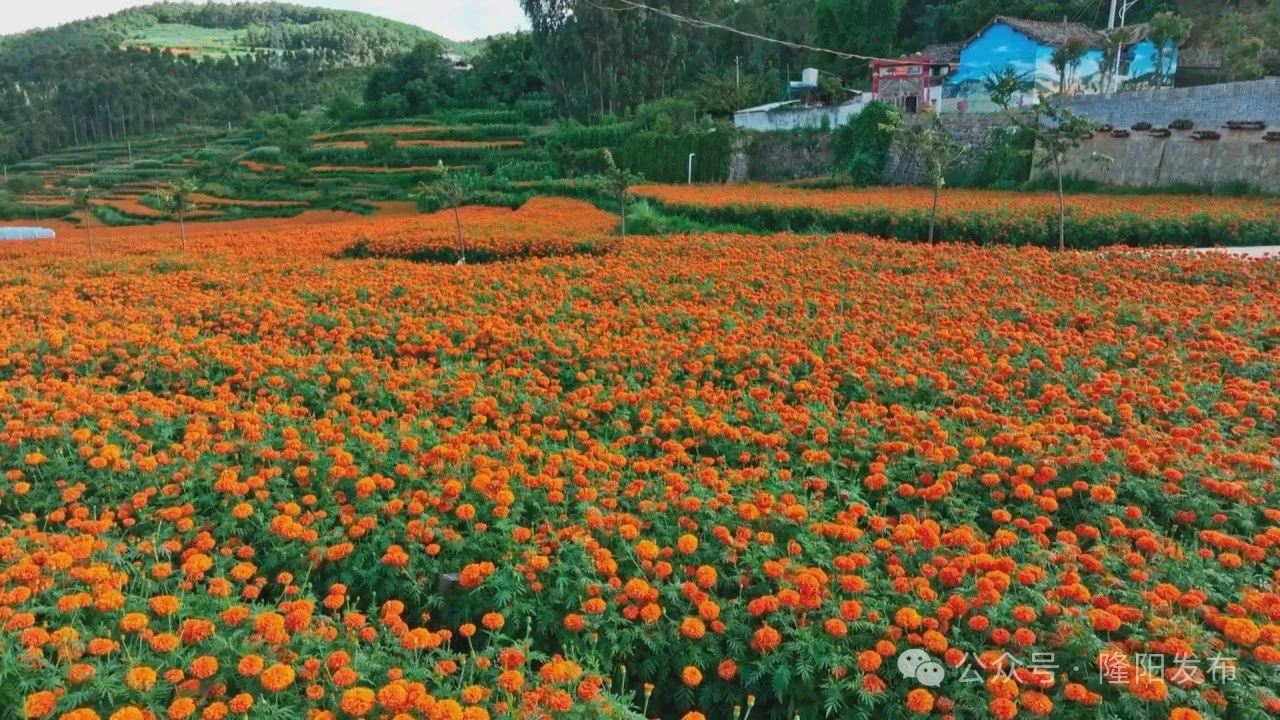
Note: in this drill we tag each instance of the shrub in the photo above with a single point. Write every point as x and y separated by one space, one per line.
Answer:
862 146
148 164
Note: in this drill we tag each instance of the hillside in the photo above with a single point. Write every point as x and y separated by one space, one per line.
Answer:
217 30
168 66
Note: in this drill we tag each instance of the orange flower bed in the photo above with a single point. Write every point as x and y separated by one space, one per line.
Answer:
542 227
129 205
983 216
255 166
955 201
786 473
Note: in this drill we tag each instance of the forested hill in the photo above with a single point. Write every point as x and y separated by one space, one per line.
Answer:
218 29
156 67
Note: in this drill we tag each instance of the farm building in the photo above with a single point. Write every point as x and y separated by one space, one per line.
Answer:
803 108
914 82
794 115
949 78
1027 46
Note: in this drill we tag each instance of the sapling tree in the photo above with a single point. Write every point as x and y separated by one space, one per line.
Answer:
936 148
1057 131
176 201
448 193
617 182
82 200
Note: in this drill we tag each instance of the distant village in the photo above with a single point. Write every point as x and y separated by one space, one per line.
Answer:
950 78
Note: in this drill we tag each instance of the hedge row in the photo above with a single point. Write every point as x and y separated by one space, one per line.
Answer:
998 227
574 137
665 158
419 155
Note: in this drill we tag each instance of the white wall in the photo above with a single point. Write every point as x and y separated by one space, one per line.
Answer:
793 119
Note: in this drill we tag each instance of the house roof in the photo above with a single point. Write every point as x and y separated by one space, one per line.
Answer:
798 105
766 108
1050 33
942 52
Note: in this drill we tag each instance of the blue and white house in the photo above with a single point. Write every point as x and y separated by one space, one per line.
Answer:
1027 46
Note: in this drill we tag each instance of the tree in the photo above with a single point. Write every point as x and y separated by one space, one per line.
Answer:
507 69
1112 47
1068 56
448 193
936 148
1239 48
82 200
617 182
1056 131
291 135
1003 84
1167 31
342 109
177 201
869 27
382 148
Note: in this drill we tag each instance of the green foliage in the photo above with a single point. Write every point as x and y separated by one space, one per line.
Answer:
870 26
722 92
526 171
1004 163
382 148
19 211
23 184
572 135
862 146
416 82
664 157
506 70
1239 47
291 135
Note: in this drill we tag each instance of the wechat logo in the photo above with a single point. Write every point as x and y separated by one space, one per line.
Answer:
918 665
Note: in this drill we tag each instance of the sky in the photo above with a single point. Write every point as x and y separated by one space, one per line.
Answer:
455 19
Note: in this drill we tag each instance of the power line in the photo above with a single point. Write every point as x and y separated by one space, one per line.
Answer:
708 25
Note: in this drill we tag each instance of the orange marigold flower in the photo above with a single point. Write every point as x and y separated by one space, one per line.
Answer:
141 678
920 701
240 704
691 676
357 701
181 708
277 678
40 704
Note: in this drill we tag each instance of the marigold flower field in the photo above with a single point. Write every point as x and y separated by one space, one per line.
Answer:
699 477
984 216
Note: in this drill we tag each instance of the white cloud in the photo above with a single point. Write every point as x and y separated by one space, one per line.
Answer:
455 19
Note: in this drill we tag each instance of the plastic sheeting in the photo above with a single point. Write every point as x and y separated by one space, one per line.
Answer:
26 233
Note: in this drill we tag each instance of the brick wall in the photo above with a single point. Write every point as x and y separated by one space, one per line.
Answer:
1209 106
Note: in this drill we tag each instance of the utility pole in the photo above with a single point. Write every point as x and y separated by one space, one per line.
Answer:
737 73
1111 19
